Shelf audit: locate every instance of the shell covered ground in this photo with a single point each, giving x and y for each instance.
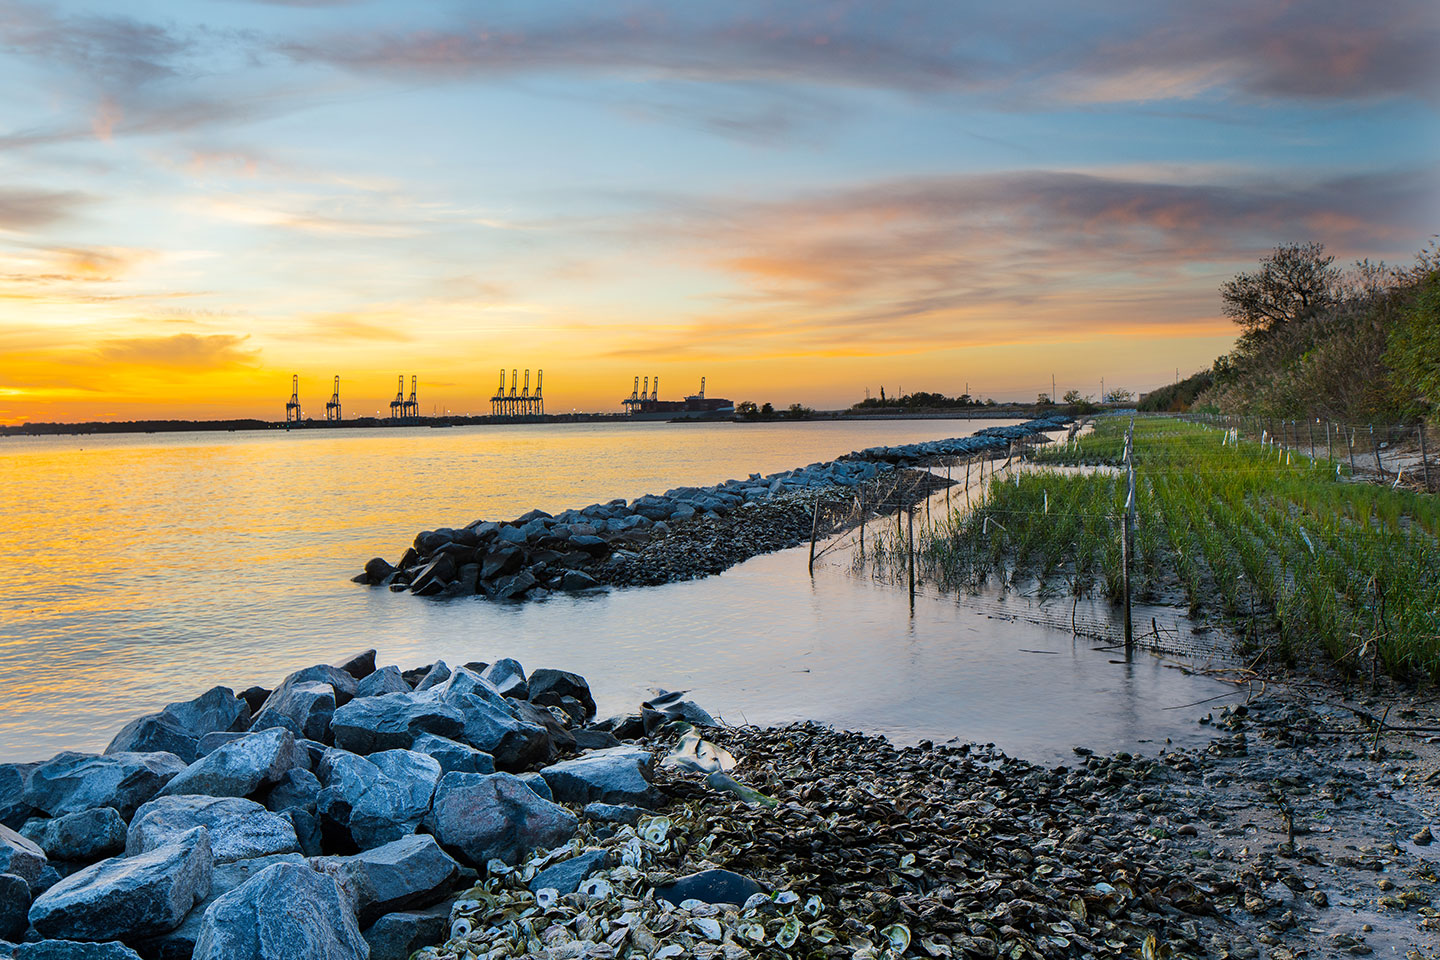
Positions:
(1287, 837)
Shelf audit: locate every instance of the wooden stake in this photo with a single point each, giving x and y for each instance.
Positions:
(814, 531)
(1125, 546)
(910, 543)
(1424, 457)
(862, 521)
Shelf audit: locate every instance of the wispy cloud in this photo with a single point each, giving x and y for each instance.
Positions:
(949, 261)
(193, 353)
(27, 209)
(1107, 51)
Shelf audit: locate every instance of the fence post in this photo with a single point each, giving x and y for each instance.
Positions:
(910, 548)
(862, 520)
(1125, 535)
(1424, 457)
(1310, 429)
(1329, 447)
(1350, 442)
(814, 531)
(1375, 447)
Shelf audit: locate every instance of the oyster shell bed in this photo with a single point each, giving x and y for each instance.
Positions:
(871, 851)
(1287, 836)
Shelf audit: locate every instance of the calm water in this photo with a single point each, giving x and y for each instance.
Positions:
(145, 569)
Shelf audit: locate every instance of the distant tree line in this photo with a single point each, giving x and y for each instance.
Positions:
(747, 410)
(920, 401)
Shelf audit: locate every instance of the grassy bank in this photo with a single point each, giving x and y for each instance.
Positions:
(1294, 557)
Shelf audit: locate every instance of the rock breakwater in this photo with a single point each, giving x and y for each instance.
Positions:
(685, 533)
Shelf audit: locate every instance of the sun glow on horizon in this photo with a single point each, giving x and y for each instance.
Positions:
(209, 198)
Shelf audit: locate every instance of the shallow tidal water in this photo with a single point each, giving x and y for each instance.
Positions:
(145, 569)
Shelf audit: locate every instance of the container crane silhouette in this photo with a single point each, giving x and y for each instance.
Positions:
(332, 409)
(292, 408)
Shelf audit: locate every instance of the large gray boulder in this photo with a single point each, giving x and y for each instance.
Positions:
(382, 681)
(242, 767)
(561, 683)
(21, 856)
(461, 707)
(179, 726)
(179, 943)
(71, 782)
(410, 872)
(14, 907)
(304, 707)
(284, 912)
(69, 950)
(341, 681)
(299, 790)
(491, 722)
(86, 836)
(239, 829)
(507, 676)
(483, 816)
(438, 673)
(14, 808)
(393, 721)
(372, 801)
(397, 935)
(619, 775)
(128, 897)
(452, 755)
(359, 666)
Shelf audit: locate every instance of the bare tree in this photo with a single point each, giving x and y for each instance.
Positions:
(1294, 282)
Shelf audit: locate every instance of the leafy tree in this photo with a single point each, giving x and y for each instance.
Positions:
(1043, 400)
(1414, 349)
(746, 408)
(768, 410)
(1119, 395)
(1072, 396)
(1294, 283)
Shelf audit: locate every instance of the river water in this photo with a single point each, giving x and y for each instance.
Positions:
(142, 569)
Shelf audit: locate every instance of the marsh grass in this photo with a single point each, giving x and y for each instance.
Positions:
(1293, 557)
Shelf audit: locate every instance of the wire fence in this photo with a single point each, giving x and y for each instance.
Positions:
(1405, 454)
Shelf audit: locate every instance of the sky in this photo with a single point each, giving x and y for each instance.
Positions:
(800, 201)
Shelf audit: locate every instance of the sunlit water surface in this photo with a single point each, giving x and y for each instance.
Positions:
(145, 569)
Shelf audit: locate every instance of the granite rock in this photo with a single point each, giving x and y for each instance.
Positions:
(239, 829)
(128, 897)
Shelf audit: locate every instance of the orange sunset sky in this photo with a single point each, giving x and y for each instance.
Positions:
(798, 201)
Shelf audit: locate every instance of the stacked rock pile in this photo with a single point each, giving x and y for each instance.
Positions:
(993, 441)
(319, 819)
(621, 542)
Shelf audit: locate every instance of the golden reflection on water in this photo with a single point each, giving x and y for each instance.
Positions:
(142, 568)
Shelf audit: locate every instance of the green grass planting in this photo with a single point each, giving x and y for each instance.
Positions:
(1291, 555)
